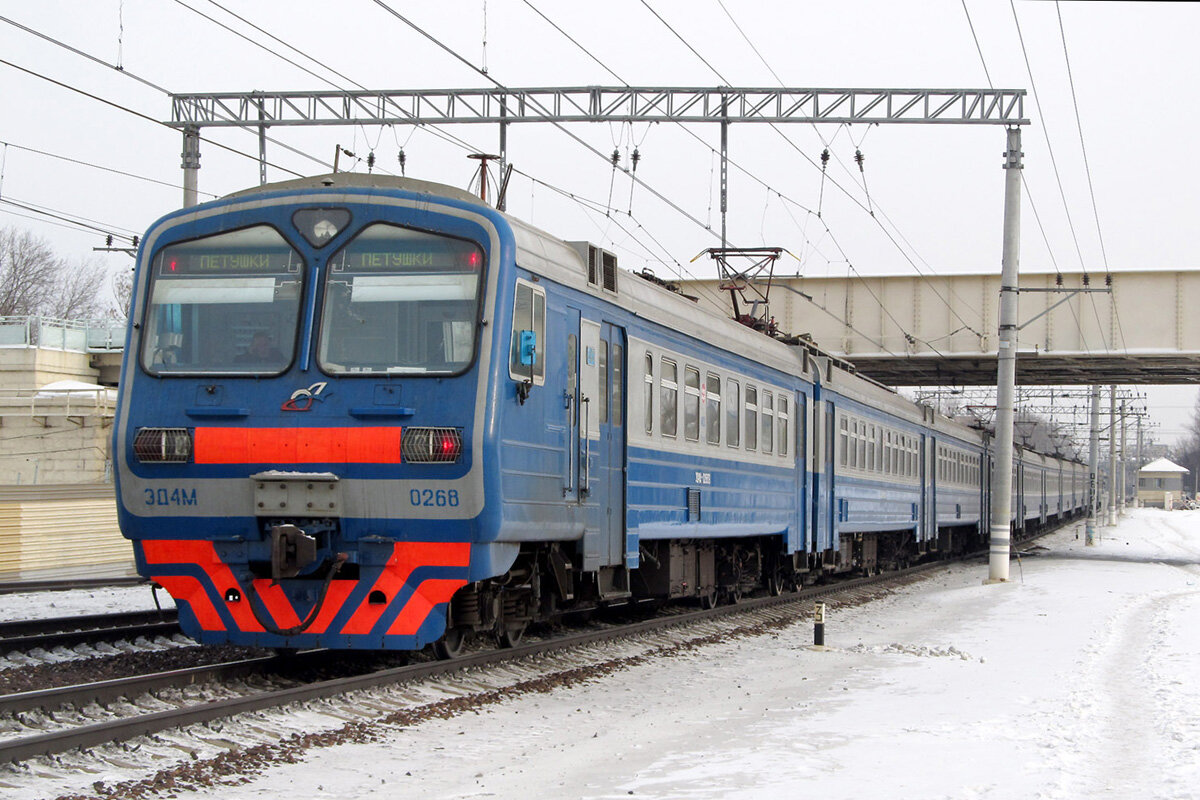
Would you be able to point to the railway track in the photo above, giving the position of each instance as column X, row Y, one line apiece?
column 72, row 631
column 791, row 606
column 785, row 608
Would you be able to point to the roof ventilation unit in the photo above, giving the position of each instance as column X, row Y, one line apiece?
column 601, row 265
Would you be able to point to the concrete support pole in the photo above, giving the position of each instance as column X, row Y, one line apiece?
column 1006, row 358
column 1137, row 465
column 1112, row 455
column 1093, row 468
column 1121, row 469
column 191, row 165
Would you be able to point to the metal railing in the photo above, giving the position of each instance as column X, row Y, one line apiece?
column 97, row 402
column 79, row 336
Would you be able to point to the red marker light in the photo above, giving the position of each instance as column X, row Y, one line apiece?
column 174, row 265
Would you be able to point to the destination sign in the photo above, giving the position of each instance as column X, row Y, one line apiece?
column 190, row 261
column 401, row 256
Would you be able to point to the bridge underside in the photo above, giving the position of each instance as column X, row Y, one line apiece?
column 1137, row 327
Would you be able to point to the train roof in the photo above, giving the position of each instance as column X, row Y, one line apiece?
column 565, row 262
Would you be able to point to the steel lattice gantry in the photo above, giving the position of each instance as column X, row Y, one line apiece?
column 721, row 105
column 599, row 104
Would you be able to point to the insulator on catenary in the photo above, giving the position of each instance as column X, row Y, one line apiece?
column 859, row 158
column 371, row 160
column 616, row 157
column 402, row 159
column 824, row 158
column 1108, row 279
column 108, row 240
column 636, row 158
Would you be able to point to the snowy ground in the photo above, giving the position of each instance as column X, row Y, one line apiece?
column 1078, row 679
column 77, row 602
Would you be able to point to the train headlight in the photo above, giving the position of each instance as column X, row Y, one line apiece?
column 431, row 445
column 163, row 445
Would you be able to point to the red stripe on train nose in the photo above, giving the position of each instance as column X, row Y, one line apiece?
column 297, row 445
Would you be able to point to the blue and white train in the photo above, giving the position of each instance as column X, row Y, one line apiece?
column 374, row 412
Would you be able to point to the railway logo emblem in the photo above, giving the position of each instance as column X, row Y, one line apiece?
column 303, row 399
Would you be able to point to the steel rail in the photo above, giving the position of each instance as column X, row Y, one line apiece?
column 18, row 587
column 70, row 631
column 116, row 688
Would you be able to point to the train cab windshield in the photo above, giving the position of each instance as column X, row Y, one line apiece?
column 400, row 301
column 225, row 304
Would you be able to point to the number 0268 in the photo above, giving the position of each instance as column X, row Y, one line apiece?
column 438, row 498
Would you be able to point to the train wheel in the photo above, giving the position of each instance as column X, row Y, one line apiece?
column 709, row 600
column 511, row 635
column 451, row 645
column 778, row 583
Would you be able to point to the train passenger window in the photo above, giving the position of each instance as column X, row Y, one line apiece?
column 861, row 446
column 602, row 366
column 768, row 422
column 782, row 418
column 668, row 397
column 400, row 301
column 733, row 414
column 691, row 404
column 870, row 448
column 751, row 418
column 226, row 304
column 648, row 394
column 844, row 443
column 887, row 453
column 618, row 384
column 712, row 408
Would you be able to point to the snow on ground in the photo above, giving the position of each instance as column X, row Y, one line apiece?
column 1078, row 679
column 78, row 602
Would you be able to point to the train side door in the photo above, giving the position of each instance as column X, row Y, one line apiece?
column 602, row 440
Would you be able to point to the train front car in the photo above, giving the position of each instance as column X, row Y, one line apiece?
column 299, row 435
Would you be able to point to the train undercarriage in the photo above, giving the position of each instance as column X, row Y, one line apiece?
column 546, row 584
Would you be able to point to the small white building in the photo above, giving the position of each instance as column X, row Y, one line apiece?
column 1160, row 484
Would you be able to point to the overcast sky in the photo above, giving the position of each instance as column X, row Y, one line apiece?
column 936, row 191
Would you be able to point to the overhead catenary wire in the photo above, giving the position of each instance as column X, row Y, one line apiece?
column 148, row 84
column 132, row 112
column 112, row 170
column 870, row 208
column 1088, row 171
column 743, row 170
column 1029, row 195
